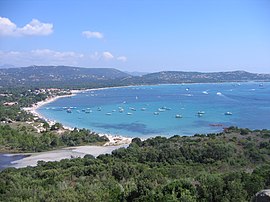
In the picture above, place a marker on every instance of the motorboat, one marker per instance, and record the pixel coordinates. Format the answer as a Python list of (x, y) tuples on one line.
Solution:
[(178, 116)]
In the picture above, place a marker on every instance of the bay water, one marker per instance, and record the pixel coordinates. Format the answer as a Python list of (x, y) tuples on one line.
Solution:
[(166, 110)]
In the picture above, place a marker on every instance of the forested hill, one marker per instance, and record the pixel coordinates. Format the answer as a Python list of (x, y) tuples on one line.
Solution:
[(198, 77), (58, 76), (230, 166), (76, 77)]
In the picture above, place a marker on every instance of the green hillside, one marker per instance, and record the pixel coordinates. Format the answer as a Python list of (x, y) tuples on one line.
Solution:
[(230, 166)]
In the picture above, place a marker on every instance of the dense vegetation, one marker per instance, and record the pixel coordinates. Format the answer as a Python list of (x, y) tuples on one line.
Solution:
[(229, 166), (25, 97), (23, 140), (16, 135), (21, 97)]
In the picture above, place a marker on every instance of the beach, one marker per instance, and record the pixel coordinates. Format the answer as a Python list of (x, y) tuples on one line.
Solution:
[(113, 139), (34, 107), (65, 153)]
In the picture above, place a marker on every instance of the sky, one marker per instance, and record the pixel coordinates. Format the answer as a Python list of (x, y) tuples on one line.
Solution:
[(137, 35)]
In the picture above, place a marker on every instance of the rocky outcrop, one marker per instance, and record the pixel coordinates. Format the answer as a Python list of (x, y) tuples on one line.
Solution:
[(262, 196)]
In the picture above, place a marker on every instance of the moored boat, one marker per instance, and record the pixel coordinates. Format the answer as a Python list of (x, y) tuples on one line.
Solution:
[(178, 116)]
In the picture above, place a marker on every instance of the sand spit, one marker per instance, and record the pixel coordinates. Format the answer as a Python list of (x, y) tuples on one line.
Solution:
[(66, 153)]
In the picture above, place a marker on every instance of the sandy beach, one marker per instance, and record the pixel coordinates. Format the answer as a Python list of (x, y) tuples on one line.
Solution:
[(113, 139), (34, 107), (65, 153)]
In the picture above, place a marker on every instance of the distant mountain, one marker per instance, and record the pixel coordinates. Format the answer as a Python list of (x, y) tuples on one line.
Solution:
[(5, 66), (77, 77), (137, 73), (58, 75), (198, 77)]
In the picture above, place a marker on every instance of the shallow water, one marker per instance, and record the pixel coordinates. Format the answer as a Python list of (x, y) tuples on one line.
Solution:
[(7, 159), (130, 111)]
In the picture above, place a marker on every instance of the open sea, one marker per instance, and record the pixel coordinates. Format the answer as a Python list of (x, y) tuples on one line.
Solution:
[(146, 111)]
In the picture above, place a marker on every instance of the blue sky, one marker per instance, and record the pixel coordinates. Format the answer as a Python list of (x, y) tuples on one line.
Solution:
[(137, 35)]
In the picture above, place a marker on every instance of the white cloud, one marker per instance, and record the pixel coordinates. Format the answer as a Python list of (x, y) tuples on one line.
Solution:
[(34, 28), (107, 55), (7, 27), (52, 57), (122, 58), (89, 34), (55, 54), (41, 57)]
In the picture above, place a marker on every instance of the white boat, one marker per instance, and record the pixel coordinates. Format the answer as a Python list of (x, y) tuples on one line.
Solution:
[(156, 113), (121, 110), (178, 116), (201, 112), (68, 110), (161, 110), (133, 109), (228, 113), (108, 113), (129, 113), (143, 109)]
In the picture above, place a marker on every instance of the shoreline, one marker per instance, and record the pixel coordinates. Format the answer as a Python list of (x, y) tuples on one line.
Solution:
[(33, 109), (114, 140), (31, 159)]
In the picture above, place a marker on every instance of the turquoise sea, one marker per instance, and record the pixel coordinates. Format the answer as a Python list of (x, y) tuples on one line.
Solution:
[(145, 111)]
